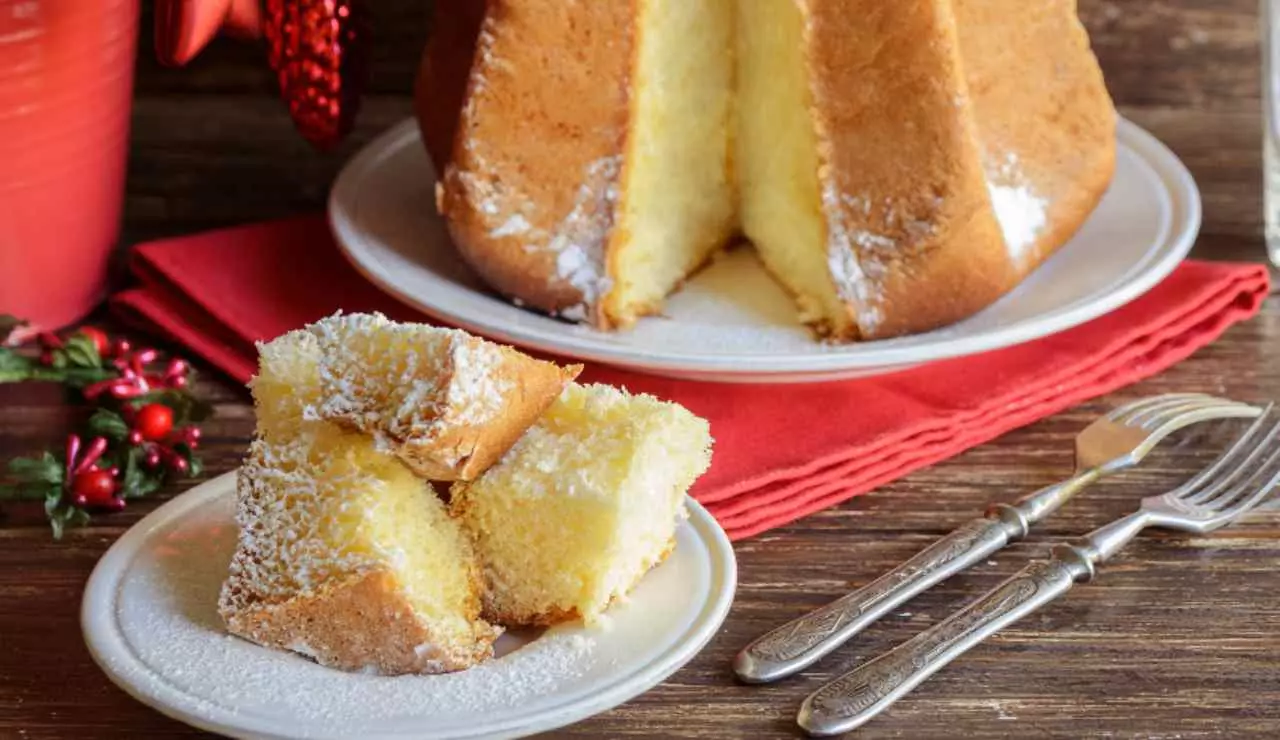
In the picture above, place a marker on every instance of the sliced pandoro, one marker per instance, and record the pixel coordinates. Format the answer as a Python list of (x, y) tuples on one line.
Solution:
[(286, 389), (447, 403), (583, 505), (347, 557)]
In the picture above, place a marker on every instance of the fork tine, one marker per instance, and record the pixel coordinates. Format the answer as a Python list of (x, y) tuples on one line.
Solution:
[(1169, 423), (1252, 451), (1225, 461), (1133, 407), (1155, 414), (1261, 494), (1247, 488), (1127, 409)]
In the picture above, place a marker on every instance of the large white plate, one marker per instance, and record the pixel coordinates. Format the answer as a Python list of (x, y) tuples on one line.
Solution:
[(149, 618), (732, 322)]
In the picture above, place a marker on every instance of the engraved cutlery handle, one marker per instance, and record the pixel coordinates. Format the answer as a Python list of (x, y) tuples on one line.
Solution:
[(851, 700), (796, 645)]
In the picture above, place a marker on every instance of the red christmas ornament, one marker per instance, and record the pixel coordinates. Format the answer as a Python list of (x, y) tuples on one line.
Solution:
[(318, 50), (154, 421), (94, 488), (99, 339)]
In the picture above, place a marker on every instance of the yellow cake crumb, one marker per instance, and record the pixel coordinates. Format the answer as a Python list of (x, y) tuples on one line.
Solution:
[(583, 505), (349, 558)]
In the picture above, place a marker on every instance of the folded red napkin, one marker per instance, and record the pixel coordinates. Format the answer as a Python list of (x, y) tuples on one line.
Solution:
[(781, 452)]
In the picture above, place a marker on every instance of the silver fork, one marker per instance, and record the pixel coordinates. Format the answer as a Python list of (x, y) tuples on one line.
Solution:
[(1237, 482), (1111, 444)]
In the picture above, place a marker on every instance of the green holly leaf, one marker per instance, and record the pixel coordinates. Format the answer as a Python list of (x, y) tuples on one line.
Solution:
[(34, 470), (9, 325), (59, 358), (136, 481), (13, 366), (82, 352), (29, 492), (78, 377), (187, 409), (109, 424), (64, 517)]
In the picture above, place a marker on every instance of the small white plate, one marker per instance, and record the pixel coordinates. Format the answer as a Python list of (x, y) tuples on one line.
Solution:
[(150, 620), (731, 322)]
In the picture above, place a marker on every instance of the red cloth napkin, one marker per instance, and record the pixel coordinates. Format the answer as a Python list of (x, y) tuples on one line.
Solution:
[(781, 452)]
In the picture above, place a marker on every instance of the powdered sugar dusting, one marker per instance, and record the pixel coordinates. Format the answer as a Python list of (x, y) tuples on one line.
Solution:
[(853, 273), (166, 613), (513, 226), (1022, 212), (407, 380), (577, 240), (478, 392)]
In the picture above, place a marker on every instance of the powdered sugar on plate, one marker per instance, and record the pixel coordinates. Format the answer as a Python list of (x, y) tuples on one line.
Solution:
[(168, 616), (150, 620)]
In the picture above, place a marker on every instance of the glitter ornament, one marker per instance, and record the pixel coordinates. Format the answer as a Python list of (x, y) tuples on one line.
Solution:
[(317, 48)]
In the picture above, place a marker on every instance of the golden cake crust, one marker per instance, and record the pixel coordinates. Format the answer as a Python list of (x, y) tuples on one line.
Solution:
[(462, 451), (1055, 112), (359, 624), (530, 187), (471, 399), (917, 106), (911, 233)]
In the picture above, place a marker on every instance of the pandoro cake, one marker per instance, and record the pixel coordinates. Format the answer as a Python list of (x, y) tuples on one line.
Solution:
[(348, 556), (583, 505)]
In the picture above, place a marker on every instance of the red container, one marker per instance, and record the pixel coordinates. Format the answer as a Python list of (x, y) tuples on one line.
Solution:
[(66, 80)]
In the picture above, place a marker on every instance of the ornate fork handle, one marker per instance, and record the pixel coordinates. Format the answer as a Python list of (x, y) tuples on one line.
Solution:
[(802, 642), (854, 698), (799, 644)]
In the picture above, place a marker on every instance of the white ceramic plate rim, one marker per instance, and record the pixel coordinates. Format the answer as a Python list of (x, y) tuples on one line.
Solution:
[(110, 649), (455, 304)]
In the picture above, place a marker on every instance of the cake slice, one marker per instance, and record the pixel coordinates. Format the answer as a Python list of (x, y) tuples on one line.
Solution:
[(445, 402), (347, 557), (586, 167), (286, 389), (583, 505)]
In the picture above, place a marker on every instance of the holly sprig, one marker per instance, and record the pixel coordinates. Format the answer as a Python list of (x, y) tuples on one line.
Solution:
[(141, 435)]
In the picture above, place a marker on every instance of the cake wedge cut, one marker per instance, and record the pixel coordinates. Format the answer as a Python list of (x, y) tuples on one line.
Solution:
[(583, 505), (346, 557), (446, 403)]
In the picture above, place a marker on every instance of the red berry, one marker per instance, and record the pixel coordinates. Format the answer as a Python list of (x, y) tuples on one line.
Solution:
[(99, 338), (135, 437), (178, 464), (154, 421), (46, 357), (152, 458), (122, 346), (178, 381), (96, 487)]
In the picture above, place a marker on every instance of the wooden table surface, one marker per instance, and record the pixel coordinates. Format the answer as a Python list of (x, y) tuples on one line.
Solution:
[(1180, 637)]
